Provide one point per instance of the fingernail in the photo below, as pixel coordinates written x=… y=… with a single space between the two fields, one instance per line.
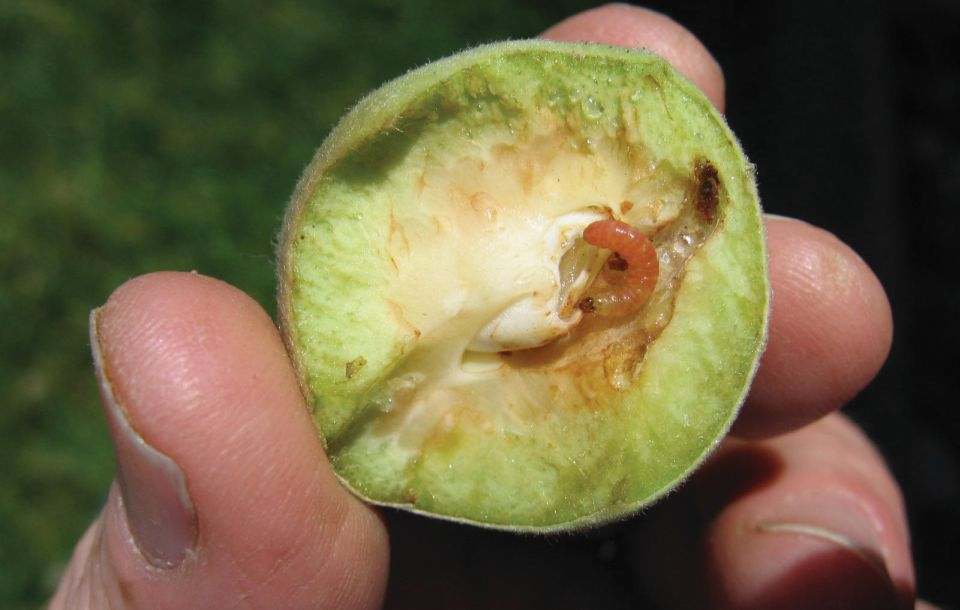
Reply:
x=160 y=513
x=841 y=523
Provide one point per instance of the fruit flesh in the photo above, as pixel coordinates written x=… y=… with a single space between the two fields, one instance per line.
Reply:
x=446 y=208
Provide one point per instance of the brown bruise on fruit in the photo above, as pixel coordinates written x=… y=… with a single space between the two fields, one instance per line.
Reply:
x=353 y=367
x=708 y=189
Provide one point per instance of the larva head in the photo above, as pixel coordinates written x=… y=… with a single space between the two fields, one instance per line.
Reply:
x=433 y=273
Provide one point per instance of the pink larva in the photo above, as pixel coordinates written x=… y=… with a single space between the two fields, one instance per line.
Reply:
x=642 y=269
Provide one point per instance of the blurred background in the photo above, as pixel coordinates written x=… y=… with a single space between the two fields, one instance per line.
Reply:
x=136 y=137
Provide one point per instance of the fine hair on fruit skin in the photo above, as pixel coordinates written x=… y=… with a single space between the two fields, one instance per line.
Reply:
x=437 y=255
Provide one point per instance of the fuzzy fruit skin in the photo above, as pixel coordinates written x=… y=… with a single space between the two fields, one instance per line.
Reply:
x=631 y=447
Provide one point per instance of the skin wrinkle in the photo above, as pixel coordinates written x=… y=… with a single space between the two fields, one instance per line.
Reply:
x=284 y=558
x=250 y=585
x=110 y=588
x=243 y=592
x=333 y=531
x=280 y=553
x=70 y=588
x=259 y=491
x=78 y=593
x=287 y=552
x=297 y=592
x=355 y=529
x=243 y=444
x=350 y=580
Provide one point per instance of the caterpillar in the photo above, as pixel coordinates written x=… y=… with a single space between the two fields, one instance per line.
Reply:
x=636 y=256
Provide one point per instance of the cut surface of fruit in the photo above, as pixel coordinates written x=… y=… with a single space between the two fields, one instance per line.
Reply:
x=439 y=299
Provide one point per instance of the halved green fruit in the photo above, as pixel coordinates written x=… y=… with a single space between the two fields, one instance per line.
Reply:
x=431 y=265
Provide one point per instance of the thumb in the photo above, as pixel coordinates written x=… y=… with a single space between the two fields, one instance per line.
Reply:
x=223 y=494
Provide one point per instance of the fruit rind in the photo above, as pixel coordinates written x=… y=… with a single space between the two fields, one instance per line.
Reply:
x=724 y=284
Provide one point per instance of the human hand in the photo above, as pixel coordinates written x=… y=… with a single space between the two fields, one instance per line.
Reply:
x=225 y=498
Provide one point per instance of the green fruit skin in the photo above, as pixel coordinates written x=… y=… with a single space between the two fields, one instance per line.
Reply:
x=573 y=467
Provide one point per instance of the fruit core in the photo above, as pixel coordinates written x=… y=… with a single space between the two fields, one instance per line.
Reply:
x=506 y=322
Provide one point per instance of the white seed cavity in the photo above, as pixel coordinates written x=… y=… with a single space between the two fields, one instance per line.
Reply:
x=538 y=317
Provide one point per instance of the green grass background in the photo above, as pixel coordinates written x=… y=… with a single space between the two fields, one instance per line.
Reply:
x=142 y=136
